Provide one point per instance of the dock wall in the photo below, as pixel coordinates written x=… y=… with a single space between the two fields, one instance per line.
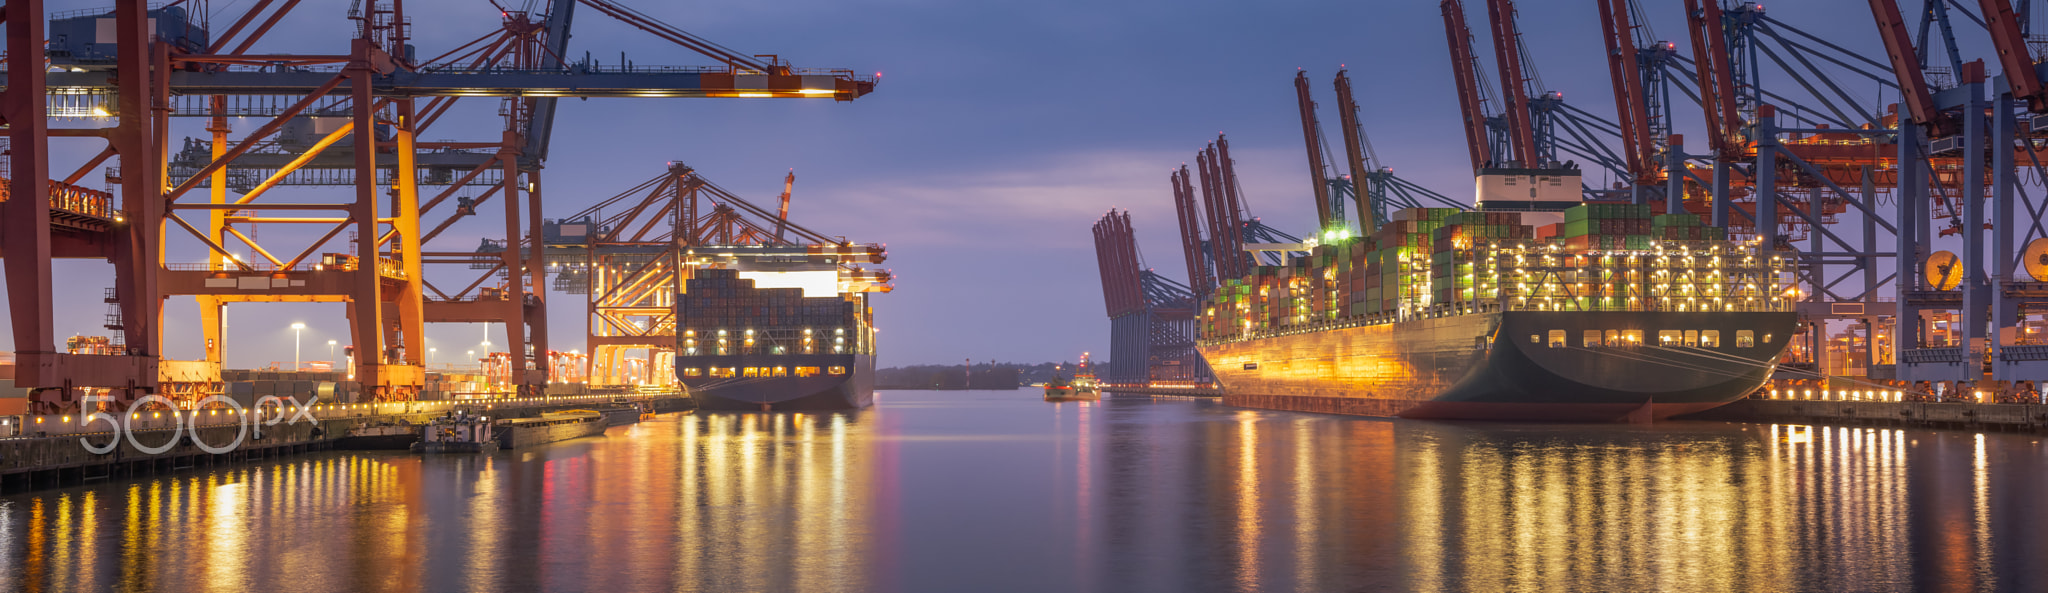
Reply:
x=1947 y=415
x=64 y=450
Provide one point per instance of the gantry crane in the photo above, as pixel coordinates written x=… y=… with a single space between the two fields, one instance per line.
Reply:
x=1152 y=318
x=632 y=253
x=372 y=103
x=1376 y=188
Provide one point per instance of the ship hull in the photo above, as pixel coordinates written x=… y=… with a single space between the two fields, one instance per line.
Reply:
x=823 y=392
x=1503 y=366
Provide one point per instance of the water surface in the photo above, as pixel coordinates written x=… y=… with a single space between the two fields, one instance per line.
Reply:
x=996 y=491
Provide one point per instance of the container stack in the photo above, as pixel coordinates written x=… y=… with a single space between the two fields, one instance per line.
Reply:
x=1607 y=226
x=1611 y=257
x=718 y=299
x=1684 y=227
x=1459 y=270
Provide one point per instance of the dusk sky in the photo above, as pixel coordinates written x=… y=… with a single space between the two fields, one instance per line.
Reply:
x=998 y=134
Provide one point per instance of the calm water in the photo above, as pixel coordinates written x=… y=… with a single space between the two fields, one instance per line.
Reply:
x=995 y=491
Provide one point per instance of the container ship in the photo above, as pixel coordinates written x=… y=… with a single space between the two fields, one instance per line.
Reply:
x=779 y=328
x=1610 y=314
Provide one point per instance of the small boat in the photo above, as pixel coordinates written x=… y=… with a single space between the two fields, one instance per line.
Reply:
x=550 y=427
x=1059 y=389
x=1081 y=388
x=457 y=432
x=1084 y=378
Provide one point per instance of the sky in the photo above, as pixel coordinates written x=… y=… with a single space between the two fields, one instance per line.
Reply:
x=999 y=133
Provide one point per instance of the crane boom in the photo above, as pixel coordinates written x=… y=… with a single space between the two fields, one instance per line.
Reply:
x=782 y=214
x=1313 y=138
x=1716 y=77
x=2013 y=54
x=1464 y=67
x=1507 y=49
x=1630 y=106
x=1190 y=232
x=1220 y=248
x=1233 y=210
x=1354 y=155
x=1898 y=45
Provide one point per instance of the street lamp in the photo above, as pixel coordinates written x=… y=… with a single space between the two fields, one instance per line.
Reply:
x=430 y=356
x=297 y=330
x=330 y=352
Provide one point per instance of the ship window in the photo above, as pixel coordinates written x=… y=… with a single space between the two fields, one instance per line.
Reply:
x=1670 y=337
x=693 y=372
x=806 y=371
x=1710 y=338
x=835 y=371
x=1614 y=338
x=1692 y=338
x=1557 y=338
x=1592 y=338
x=1745 y=338
x=1535 y=339
x=1767 y=338
x=1634 y=337
x=751 y=372
x=781 y=371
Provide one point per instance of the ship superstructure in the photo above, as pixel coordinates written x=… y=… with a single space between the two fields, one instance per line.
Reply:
x=779 y=327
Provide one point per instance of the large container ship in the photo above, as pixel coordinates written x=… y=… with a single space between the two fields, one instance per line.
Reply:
x=786 y=328
x=1611 y=314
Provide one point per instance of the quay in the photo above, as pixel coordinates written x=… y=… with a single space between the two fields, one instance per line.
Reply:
x=46 y=451
x=1988 y=417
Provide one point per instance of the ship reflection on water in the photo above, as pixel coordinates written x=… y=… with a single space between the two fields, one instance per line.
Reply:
x=997 y=491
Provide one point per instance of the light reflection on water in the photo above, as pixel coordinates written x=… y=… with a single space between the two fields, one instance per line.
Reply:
x=994 y=491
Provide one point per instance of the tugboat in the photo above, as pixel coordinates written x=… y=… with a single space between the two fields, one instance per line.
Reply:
x=1059 y=389
x=458 y=432
x=1081 y=389
x=1084 y=380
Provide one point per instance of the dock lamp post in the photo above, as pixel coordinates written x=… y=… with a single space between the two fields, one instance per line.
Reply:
x=330 y=352
x=430 y=356
x=298 y=329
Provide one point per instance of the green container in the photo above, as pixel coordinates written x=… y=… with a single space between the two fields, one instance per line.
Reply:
x=1579 y=212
